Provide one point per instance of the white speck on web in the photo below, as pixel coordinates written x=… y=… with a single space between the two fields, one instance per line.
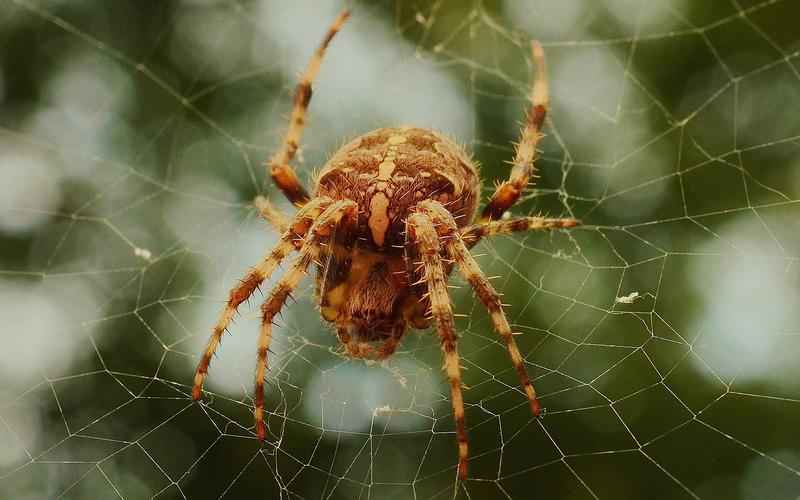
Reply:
x=628 y=299
x=143 y=253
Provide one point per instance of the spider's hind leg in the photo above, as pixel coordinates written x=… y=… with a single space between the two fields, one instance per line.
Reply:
x=280 y=169
x=509 y=191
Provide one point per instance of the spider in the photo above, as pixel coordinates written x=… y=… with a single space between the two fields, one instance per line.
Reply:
x=393 y=212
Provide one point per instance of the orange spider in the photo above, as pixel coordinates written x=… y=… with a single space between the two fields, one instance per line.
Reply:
x=393 y=211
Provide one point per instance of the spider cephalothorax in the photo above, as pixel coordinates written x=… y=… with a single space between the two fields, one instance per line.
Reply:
x=392 y=213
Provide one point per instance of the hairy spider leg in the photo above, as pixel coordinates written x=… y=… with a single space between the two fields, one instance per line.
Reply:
x=423 y=234
x=472 y=234
x=523 y=167
x=281 y=171
x=457 y=250
x=252 y=280
x=320 y=231
x=270 y=213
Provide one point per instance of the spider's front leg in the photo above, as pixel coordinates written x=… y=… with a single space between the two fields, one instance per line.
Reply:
x=422 y=233
x=457 y=249
x=280 y=169
x=320 y=231
x=300 y=225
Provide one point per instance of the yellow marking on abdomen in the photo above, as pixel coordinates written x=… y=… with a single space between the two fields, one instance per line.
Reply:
x=385 y=169
x=378 y=221
x=387 y=166
x=396 y=139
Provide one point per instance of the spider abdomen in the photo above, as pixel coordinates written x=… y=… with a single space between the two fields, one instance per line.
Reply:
x=389 y=170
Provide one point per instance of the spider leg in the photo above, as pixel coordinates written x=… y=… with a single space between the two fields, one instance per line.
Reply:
x=458 y=251
x=252 y=280
x=523 y=168
x=281 y=171
x=474 y=233
x=321 y=230
x=421 y=230
x=272 y=214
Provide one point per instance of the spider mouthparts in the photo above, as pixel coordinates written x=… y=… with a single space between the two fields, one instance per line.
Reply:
x=197 y=393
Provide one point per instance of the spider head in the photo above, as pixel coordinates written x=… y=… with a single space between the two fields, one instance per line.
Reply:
x=358 y=293
x=367 y=295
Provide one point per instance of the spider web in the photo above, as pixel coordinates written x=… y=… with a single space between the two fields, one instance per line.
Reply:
x=663 y=336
